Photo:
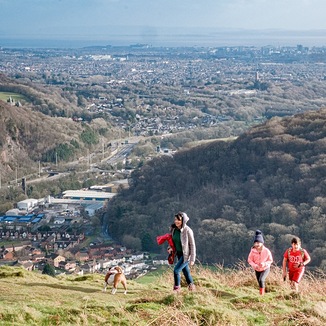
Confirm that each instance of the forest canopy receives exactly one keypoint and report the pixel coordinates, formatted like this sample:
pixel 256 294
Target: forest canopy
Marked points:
pixel 272 177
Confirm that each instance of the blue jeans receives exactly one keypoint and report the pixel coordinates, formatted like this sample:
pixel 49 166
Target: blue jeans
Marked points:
pixel 184 267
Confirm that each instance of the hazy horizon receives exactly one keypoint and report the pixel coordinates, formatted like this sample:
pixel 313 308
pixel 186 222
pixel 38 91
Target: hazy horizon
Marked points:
pixel 163 22
pixel 198 38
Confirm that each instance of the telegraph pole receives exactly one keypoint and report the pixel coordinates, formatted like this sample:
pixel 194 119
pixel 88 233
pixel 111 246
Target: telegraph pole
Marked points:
pixel 88 158
pixel 24 185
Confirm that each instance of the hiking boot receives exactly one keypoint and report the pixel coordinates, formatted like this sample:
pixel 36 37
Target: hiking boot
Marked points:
pixel 191 287
pixel 177 289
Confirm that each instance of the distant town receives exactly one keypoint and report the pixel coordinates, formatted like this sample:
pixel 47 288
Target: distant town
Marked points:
pixel 56 231
pixel 152 86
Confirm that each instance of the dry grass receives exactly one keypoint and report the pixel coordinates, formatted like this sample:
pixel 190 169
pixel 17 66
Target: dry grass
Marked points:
pixel 223 297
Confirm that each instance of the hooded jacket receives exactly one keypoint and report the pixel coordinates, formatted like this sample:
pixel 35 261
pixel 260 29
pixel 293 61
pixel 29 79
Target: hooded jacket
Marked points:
pixel 187 240
pixel 260 260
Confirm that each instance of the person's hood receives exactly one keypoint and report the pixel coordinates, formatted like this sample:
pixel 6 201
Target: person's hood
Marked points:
pixel 185 219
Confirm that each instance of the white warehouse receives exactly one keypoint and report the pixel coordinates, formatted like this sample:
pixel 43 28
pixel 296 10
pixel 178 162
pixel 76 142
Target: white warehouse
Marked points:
pixel 27 204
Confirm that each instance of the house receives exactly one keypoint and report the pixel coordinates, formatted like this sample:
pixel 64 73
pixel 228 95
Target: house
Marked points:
pixel 69 266
pixel 21 246
pixel 57 259
pixel 100 247
pixel 91 267
pixel 82 256
pixel 137 257
pixel 105 264
pixel 48 242
pixel 108 255
pixel 35 251
pixel 38 257
pixel 96 254
pixel 28 265
pixel 7 255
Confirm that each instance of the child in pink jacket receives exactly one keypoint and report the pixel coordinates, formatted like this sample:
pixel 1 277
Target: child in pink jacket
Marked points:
pixel 260 259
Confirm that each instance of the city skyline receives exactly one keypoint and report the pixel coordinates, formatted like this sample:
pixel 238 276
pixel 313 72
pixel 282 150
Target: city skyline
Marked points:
pixel 159 22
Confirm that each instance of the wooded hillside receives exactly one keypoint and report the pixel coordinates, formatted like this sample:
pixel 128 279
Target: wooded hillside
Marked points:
pixel 27 135
pixel 272 178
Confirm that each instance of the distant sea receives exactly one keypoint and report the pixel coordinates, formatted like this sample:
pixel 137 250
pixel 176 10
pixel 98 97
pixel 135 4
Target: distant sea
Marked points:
pixel 209 39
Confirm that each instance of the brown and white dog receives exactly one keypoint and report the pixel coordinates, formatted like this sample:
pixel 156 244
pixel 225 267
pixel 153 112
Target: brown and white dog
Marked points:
pixel 115 276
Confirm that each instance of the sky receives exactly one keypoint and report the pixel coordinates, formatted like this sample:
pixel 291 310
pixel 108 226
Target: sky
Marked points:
pixel 150 19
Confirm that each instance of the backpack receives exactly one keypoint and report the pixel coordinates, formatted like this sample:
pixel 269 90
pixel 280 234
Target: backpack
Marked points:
pixel 302 253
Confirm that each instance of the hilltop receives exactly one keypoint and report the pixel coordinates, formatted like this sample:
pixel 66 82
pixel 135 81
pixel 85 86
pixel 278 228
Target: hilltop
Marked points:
pixel 271 177
pixel 223 297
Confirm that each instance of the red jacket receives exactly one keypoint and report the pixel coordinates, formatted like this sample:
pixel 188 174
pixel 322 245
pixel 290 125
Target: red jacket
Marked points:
pixel 167 237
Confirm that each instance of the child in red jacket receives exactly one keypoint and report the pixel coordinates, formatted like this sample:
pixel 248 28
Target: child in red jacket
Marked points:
pixel 296 258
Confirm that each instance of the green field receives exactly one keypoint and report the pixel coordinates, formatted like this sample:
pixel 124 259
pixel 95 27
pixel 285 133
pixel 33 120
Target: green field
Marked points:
pixel 4 96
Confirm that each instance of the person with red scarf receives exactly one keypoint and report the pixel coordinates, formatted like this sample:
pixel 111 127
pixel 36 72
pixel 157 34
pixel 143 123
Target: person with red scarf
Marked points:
pixel 181 245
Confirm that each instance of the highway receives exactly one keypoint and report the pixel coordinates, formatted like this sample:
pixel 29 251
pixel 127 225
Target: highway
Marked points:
pixel 117 155
pixel 120 154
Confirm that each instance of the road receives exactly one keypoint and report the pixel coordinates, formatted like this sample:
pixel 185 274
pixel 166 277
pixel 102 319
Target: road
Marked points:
pixel 121 153
pixel 118 154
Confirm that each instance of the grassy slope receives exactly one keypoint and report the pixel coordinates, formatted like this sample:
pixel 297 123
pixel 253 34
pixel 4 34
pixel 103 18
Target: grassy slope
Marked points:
pixel 4 96
pixel 222 298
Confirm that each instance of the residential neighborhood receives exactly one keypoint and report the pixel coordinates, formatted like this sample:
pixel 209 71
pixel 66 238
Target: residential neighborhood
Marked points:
pixel 60 232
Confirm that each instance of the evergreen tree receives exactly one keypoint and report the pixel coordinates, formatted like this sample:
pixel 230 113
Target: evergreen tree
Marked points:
pixel 49 270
